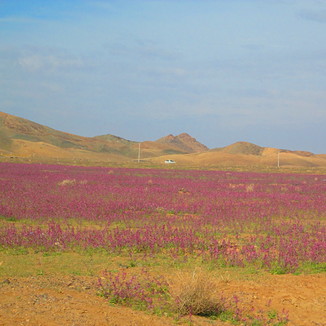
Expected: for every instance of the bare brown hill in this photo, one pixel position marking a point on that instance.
(16, 128)
(246, 154)
(221, 159)
(184, 142)
(241, 148)
(247, 148)
(24, 138)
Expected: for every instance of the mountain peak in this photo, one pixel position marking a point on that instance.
(185, 142)
(184, 135)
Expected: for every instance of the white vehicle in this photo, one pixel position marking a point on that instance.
(169, 161)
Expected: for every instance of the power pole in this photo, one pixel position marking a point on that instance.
(138, 152)
(278, 159)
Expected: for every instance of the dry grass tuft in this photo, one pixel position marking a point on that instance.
(250, 187)
(71, 182)
(196, 294)
(67, 182)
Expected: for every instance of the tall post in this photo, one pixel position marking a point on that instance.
(278, 159)
(138, 152)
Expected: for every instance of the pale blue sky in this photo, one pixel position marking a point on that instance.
(223, 70)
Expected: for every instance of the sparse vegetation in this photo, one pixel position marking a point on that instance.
(191, 295)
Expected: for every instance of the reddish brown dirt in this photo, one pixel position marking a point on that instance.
(46, 301)
(72, 300)
(302, 296)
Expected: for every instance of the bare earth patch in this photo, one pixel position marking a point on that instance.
(72, 300)
(52, 301)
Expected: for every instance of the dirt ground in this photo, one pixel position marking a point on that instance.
(72, 300)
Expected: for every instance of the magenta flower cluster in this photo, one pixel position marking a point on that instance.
(142, 290)
(232, 218)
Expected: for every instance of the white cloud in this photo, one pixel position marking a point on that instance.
(35, 62)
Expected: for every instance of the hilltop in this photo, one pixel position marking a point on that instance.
(185, 142)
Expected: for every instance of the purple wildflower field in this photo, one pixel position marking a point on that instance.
(269, 221)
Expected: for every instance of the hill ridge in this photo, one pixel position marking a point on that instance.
(17, 134)
(28, 140)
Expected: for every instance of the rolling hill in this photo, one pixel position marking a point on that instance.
(29, 141)
(26, 139)
(250, 155)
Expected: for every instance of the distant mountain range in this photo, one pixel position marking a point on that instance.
(27, 140)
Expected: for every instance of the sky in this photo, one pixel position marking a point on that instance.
(221, 70)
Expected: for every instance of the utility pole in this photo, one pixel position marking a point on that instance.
(278, 159)
(138, 152)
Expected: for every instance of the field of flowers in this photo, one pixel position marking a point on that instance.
(274, 222)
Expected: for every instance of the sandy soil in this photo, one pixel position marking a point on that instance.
(72, 300)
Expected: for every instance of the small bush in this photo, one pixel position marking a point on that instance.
(196, 294)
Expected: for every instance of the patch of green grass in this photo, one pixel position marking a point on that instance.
(8, 219)
(278, 270)
(15, 251)
(313, 268)
(51, 253)
(23, 263)
(228, 316)
(272, 318)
